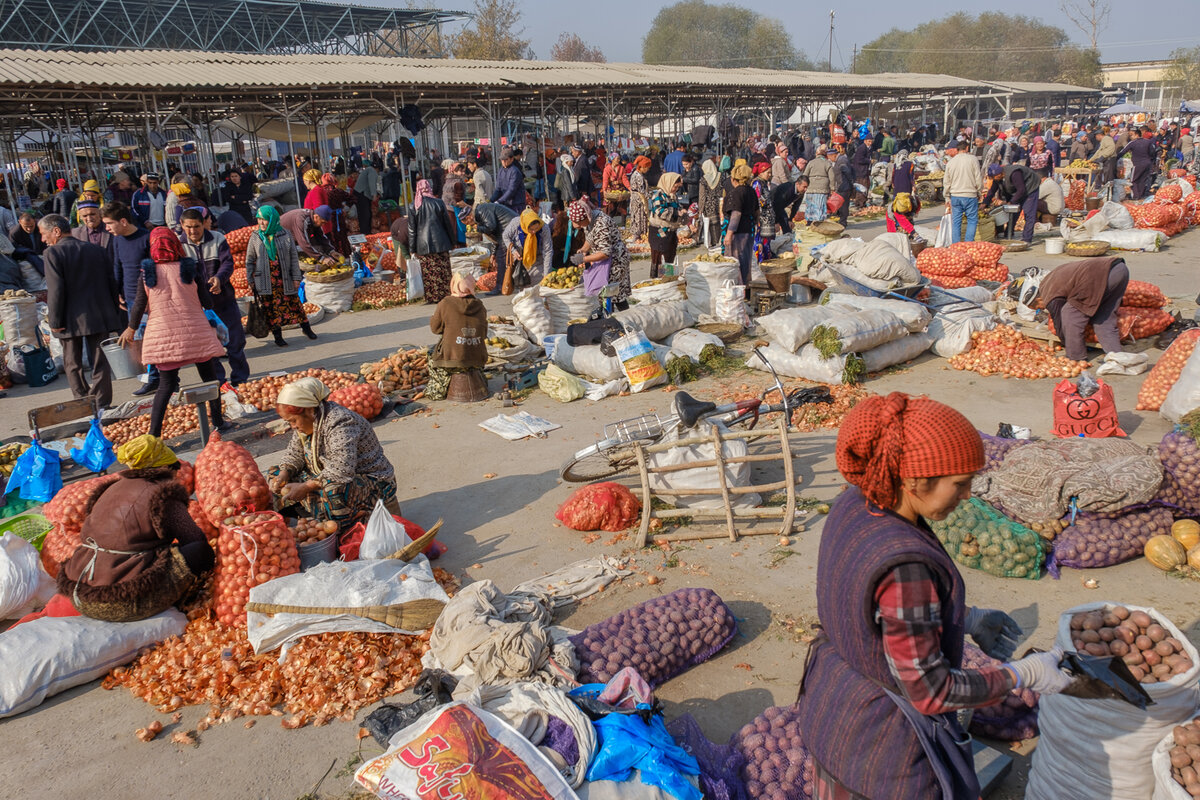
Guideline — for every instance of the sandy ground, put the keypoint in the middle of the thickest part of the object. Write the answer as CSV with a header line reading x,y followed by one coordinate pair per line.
x,y
81,743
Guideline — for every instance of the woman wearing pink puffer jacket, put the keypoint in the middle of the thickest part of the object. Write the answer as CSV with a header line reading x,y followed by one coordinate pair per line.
x,y
177,331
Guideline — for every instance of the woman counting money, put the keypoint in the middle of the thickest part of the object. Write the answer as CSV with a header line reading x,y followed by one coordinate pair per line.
x,y
334,467
884,679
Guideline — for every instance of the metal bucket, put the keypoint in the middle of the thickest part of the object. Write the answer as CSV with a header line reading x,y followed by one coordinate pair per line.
x,y
120,360
322,552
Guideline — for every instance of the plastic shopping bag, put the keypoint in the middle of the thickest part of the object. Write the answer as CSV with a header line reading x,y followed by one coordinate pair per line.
x,y
639,362
24,585
36,474
97,451
415,285
944,235
221,329
1094,416
627,742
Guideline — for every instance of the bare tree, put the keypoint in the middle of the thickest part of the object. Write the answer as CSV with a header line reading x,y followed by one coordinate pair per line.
x,y
1090,16
570,47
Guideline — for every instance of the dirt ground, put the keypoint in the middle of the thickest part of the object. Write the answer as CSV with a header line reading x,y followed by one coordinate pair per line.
x,y
81,743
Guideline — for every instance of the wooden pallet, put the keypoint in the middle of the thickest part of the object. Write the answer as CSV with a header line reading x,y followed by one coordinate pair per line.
x,y
727,512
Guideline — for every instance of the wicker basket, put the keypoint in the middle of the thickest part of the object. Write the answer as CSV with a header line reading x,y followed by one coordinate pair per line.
x,y
727,332
1013,245
314,277
1088,248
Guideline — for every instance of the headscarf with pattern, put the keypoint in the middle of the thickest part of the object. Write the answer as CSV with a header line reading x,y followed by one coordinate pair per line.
x,y
424,189
579,212
165,246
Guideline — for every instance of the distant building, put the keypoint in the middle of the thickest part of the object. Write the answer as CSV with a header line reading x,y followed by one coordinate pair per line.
x,y
1143,83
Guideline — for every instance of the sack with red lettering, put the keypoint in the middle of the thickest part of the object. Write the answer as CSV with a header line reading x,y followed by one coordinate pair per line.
x,y
1094,417
459,750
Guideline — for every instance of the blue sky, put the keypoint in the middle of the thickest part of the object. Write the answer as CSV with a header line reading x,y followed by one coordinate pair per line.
x,y
617,26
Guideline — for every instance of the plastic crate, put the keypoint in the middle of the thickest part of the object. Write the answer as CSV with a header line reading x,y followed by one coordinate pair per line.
x,y
30,527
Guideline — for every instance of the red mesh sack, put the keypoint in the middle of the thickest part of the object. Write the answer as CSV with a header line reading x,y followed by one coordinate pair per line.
x,y
1143,295
1146,322
364,399
1180,456
59,545
778,765
228,481
1163,375
196,512
1077,196
944,262
997,273
600,507
660,638
982,254
251,549
953,283
69,507
238,240
186,475
487,282
1169,194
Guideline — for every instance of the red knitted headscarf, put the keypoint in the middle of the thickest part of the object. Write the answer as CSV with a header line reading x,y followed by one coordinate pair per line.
x,y
884,439
165,246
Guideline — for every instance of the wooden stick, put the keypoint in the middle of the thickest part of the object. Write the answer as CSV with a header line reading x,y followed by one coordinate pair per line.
x,y
414,615
683,536
644,529
747,459
716,492
719,448
410,550
789,477
770,512
663,447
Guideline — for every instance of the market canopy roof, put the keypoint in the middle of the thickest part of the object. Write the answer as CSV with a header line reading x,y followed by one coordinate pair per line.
x,y
1123,108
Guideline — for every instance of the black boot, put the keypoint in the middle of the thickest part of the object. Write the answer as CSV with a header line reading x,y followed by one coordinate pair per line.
x,y
279,337
307,329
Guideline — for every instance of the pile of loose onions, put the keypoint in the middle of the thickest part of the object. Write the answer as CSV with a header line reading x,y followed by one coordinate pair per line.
x,y
362,398
380,295
1162,377
324,677
1004,351
263,392
180,420
251,549
228,481
314,530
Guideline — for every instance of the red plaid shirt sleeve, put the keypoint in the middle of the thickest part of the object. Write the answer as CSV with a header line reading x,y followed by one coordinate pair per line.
x,y
909,614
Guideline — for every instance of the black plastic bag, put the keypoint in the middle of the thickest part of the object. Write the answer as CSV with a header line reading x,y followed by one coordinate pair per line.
x,y
434,688
256,321
1172,333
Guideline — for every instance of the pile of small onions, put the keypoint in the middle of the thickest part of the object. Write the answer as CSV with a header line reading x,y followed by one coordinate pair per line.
x,y
1004,351
263,392
314,530
364,399
324,677
251,549
1146,646
180,420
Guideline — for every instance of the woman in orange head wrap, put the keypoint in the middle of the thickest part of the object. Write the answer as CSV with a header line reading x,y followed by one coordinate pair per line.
x,y
885,677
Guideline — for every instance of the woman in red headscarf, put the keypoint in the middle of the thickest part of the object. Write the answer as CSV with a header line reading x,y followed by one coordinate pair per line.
x,y
884,679
177,332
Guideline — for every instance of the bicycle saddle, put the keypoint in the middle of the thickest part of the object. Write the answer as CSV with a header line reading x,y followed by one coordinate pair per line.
x,y
690,409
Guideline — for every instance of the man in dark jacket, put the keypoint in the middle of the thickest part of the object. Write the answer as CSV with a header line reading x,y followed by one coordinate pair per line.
x,y
129,246
1016,184
238,193
1144,153
215,259
81,296
150,203
63,200
845,179
585,187
691,179
510,183
490,220
861,163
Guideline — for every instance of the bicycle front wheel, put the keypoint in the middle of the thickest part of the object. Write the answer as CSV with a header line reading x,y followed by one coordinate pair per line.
x,y
602,460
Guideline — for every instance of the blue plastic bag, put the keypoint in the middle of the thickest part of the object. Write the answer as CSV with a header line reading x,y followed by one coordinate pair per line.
x,y
220,327
301,291
625,742
36,474
97,451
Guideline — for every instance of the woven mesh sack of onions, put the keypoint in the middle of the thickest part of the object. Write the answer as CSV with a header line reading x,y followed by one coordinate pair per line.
x,y
778,765
660,638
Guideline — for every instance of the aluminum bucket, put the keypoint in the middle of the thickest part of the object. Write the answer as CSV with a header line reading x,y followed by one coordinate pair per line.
x,y
120,360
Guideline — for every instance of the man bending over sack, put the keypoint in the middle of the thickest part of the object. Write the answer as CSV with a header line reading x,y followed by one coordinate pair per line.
x,y
141,551
1079,294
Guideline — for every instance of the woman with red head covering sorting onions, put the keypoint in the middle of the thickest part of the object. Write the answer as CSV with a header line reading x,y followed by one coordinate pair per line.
x,y
177,331
883,680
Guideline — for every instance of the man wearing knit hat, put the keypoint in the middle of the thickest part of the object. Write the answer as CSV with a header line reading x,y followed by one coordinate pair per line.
x,y
91,193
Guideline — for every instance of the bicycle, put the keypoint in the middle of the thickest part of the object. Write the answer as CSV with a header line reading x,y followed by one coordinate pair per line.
x,y
617,451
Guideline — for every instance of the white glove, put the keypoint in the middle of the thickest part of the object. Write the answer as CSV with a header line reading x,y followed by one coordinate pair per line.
x,y
1039,672
577,259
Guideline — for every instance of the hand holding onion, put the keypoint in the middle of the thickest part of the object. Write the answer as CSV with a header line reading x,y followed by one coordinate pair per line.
x,y
298,491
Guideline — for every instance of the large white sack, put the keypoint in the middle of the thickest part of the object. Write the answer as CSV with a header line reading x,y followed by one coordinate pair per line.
x,y
952,327
567,305
692,342
1103,748
531,312
897,351
864,330
1185,393
339,584
853,273
702,280
658,292
337,296
898,240
948,297
1165,785
1118,216
521,350
588,361
657,320
807,364
842,251
878,259
1137,239
24,585
791,328
914,315
702,477
42,657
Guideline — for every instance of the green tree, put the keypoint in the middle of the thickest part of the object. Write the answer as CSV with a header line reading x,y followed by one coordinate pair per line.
x,y
570,47
1184,71
991,46
726,36
494,33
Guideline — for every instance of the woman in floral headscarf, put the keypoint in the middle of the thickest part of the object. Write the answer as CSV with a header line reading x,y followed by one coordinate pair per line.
x,y
666,217
316,191
178,333
603,242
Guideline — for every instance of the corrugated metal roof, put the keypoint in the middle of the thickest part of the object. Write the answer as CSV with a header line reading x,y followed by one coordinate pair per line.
x,y
191,69
1026,87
